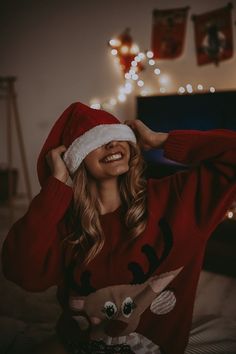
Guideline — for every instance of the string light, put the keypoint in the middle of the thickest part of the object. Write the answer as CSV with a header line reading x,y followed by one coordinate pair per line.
x,y
115,42
122,97
114,51
128,76
141,55
181,89
140,83
231,213
132,65
149,54
95,105
121,89
162,89
128,88
134,77
157,71
145,91
124,49
112,101
151,62
134,49
132,71
164,79
124,46
189,88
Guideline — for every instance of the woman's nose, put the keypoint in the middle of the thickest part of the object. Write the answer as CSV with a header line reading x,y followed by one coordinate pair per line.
x,y
111,144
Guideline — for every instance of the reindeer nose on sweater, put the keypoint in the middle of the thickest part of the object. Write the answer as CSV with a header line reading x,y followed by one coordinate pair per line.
x,y
115,328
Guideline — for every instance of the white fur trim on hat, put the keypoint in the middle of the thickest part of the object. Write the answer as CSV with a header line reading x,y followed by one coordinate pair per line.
x,y
93,139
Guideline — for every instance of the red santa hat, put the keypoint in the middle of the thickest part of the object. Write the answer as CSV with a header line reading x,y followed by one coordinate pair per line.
x,y
81,129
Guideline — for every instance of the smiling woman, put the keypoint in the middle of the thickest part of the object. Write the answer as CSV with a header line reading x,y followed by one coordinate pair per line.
x,y
109,176
115,243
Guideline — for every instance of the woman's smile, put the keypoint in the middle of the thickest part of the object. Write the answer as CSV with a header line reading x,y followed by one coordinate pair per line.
x,y
112,157
110,160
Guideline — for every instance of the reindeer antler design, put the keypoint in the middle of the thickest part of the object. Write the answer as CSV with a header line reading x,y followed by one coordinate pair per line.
x,y
139,276
84,288
154,262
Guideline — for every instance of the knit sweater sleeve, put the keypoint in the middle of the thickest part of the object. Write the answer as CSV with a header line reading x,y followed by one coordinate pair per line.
x,y
31,255
208,188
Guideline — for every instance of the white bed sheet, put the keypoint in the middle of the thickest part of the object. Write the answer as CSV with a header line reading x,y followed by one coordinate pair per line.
x,y
214,318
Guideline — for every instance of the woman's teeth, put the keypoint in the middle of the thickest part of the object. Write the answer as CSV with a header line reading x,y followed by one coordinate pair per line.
x,y
113,157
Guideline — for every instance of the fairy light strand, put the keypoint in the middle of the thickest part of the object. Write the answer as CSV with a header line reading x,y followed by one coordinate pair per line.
x,y
131,61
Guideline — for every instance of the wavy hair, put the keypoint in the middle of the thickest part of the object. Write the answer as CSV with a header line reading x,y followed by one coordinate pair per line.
x,y
87,239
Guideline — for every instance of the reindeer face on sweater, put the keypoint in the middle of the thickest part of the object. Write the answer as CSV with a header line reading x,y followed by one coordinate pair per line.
x,y
115,310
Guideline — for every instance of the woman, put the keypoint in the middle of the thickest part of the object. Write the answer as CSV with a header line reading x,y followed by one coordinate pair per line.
x,y
125,253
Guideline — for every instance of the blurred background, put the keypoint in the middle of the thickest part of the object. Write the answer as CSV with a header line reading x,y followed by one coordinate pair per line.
x,y
171,64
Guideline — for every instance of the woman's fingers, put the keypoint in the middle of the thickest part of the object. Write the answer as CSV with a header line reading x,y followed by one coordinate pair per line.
x,y
147,138
56,163
57,151
142,132
135,124
55,154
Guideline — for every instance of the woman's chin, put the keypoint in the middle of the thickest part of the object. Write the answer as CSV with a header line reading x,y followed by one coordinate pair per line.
x,y
118,170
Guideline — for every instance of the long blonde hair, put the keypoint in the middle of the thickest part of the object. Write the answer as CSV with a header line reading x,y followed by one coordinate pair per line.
x,y
87,238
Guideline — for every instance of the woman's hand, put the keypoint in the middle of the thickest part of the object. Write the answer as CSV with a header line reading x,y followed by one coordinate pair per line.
x,y
147,138
56,163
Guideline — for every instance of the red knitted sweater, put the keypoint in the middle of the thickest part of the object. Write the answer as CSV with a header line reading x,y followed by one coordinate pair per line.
x,y
125,284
